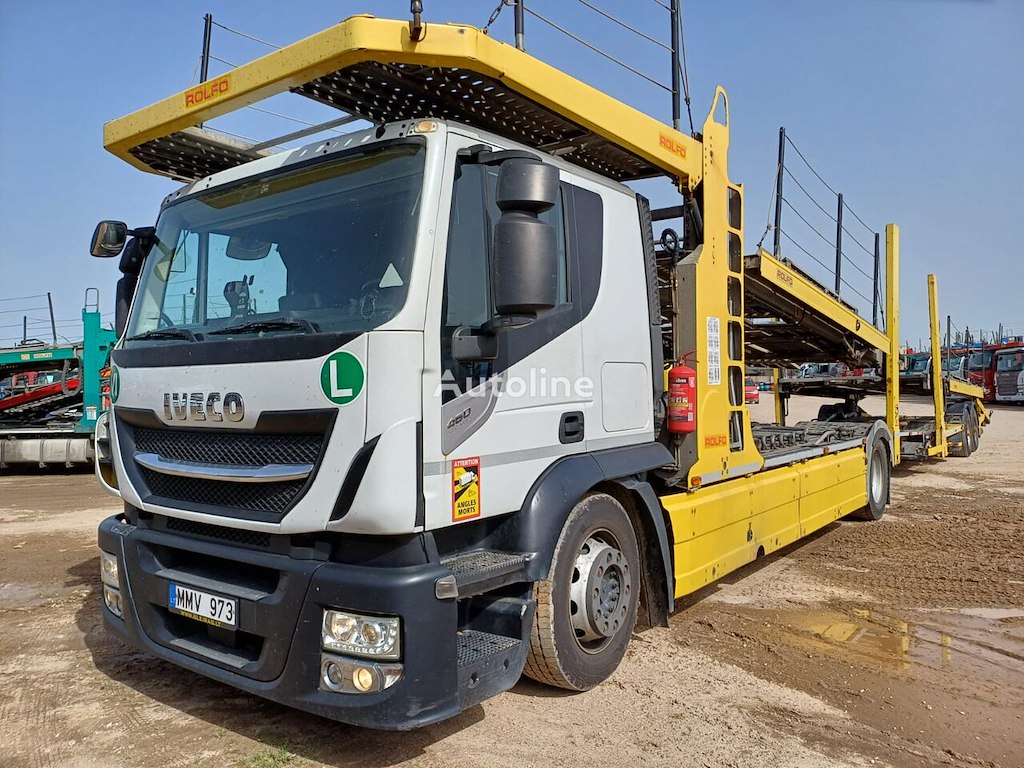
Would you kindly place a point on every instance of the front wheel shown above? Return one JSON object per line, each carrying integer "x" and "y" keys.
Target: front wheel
{"x": 586, "y": 608}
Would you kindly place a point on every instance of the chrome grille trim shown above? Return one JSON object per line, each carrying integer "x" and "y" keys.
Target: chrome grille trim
{"x": 236, "y": 473}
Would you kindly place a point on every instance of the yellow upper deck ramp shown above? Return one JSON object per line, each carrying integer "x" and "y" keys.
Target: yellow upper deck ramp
{"x": 371, "y": 68}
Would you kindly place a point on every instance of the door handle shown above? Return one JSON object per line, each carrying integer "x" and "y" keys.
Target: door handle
{"x": 570, "y": 428}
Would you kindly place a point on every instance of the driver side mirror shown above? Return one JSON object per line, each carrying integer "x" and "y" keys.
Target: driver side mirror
{"x": 108, "y": 239}
{"x": 525, "y": 255}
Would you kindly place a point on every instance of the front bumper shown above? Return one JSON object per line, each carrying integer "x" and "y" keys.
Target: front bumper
{"x": 276, "y": 651}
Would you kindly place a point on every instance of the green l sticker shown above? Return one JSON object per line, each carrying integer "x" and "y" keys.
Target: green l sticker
{"x": 342, "y": 378}
{"x": 115, "y": 384}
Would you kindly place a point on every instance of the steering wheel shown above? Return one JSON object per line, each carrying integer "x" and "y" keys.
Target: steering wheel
{"x": 164, "y": 321}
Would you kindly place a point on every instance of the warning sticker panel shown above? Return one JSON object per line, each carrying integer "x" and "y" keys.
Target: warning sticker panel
{"x": 465, "y": 488}
{"x": 714, "y": 358}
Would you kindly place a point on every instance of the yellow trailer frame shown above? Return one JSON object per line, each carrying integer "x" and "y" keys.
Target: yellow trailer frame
{"x": 940, "y": 383}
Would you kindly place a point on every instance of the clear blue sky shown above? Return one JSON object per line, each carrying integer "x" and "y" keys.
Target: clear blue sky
{"x": 912, "y": 108}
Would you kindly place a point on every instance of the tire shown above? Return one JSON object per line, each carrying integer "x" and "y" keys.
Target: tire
{"x": 964, "y": 446}
{"x": 879, "y": 476}
{"x": 974, "y": 432}
{"x": 586, "y": 608}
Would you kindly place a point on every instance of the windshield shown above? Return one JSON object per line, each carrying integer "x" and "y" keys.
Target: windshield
{"x": 979, "y": 360}
{"x": 952, "y": 363}
{"x": 325, "y": 248}
{"x": 920, "y": 364}
{"x": 1011, "y": 362}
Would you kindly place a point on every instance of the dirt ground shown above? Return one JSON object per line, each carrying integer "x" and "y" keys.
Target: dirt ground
{"x": 896, "y": 643}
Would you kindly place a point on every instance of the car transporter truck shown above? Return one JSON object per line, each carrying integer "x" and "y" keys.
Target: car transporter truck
{"x": 405, "y": 413}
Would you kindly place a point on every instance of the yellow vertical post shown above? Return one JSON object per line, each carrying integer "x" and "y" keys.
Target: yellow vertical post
{"x": 941, "y": 447}
{"x": 780, "y": 407}
{"x": 892, "y": 327}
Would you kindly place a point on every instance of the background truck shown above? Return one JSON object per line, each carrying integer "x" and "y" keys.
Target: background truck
{"x": 1009, "y": 375}
{"x": 51, "y": 395}
{"x": 437, "y": 407}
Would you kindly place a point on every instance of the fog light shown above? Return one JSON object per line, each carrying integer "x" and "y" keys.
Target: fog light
{"x": 374, "y": 636}
{"x": 108, "y": 569}
{"x": 335, "y": 675}
{"x": 112, "y": 598}
{"x": 341, "y": 675}
{"x": 362, "y": 678}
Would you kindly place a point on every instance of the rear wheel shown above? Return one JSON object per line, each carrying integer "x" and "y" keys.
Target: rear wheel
{"x": 586, "y": 608}
{"x": 879, "y": 477}
{"x": 964, "y": 444}
{"x": 974, "y": 433}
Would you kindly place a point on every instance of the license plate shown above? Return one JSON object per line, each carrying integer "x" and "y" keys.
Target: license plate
{"x": 202, "y": 606}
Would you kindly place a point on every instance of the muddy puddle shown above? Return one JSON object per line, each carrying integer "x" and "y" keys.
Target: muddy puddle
{"x": 950, "y": 680}
{"x": 984, "y": 642}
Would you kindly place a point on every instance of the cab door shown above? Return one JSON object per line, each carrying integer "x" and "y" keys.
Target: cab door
{"x": 491, "y": 427}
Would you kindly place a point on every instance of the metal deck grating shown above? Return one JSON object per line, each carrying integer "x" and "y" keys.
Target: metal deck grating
{"x": 483, "y": 563}
{"x": 382, "y": 93}
{"x": 194, "y": 153}
{"x": 473, "y": 646}
{"x": 386, "y": 92}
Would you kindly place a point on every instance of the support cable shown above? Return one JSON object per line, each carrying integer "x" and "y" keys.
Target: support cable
{"x": 686, "y": 74}
{"x": 810, "y": 226}
{"x": 772, "y": 202}
{"x": 808, "y": 164}
{"x": 793, "y": 178}
{"x": 195, "y": 70}
{"x": 289, "y": 117}
{"x": 247, "y": 36}
{"x": 830, "y": 189}
{"x": 858, "y": 218}
{"x": 624, "y": 25}
{"x": 811, "y": 255}
{"x": 595, "y": 49}
{"x": 833, "y": 219}
{"x": 830, "y": 270}
{"x": 863, "y": 247}
{"x": 223, "y": 61}
{"x": 265, "y": 112}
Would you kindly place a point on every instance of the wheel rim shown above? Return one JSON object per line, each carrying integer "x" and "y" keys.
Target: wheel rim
{"x": 600, "y": 592}
{"x": 876, "y": 472}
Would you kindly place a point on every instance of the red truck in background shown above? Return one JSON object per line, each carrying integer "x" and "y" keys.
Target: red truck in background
{"x": 981, "y": 366}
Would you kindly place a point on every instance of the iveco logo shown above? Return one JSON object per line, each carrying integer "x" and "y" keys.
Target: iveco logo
{"x": 197, "y": 406}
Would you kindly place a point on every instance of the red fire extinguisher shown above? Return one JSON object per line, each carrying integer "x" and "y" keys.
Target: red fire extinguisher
{"x": 682, "y": 398}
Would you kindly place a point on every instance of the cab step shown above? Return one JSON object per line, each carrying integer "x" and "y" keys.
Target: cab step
{"x": 475, "y": 647}
{"x": 484, "y": 570}
{"x": 488, "y": 664}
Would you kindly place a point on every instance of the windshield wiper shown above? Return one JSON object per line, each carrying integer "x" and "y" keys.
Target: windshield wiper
{"x": 165, "y": 333}
{"x": 275, "y": 324}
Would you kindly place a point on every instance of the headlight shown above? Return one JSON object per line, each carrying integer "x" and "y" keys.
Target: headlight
{"x": 108, "y": 569}
{"x": 375, "y": 636}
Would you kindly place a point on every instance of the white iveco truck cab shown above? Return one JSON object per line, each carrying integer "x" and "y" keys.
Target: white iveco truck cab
{"x": 343, "y": 368}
